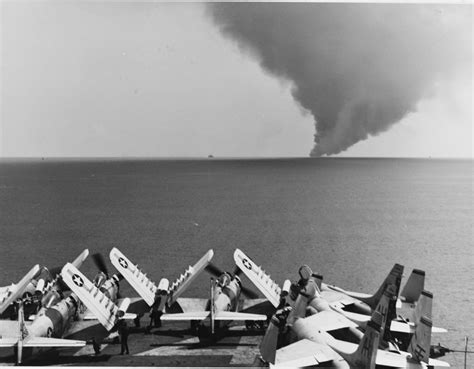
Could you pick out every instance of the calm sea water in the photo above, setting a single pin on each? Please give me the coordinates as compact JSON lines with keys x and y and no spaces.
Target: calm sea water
{"x":349,"y":219}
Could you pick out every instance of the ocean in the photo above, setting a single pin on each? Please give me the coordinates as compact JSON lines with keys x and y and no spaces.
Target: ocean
{"x":348,"y":219}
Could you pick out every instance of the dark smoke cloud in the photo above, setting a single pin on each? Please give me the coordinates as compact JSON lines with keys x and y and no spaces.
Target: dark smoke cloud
{"x":357,"y":68}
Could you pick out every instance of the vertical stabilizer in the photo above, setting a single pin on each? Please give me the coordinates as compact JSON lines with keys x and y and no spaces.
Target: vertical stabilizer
{"x":424,"y":306}
{"x":419,"y":347}
{"x":415,"y":284}
{"x":394,"y":278}
{"x":365,"y":355}
{"x":387,"y":309}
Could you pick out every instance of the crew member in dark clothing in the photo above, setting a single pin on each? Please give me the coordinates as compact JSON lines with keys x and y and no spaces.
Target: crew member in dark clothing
{"x":123,"y":332}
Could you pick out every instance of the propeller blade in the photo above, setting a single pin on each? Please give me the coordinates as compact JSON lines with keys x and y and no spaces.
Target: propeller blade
{"x":249,"y":293}
{"x":62,"y":285}
{"x":237,"y":271}
{"x":55,"y":271}
{"x":99,"y":261}
{"x":214,"y":270}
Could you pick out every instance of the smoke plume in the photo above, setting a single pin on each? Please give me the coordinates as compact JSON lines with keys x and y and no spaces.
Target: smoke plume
{"x":357,"y":68}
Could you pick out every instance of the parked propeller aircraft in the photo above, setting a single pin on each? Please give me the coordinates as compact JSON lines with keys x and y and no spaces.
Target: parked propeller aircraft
{"x":159,"y":297}
{"x":316,"y":346}
{"x":10,"y":294}
{"x":351,"y":322}
{"x":97,"y":301}
{"x":408,"y":296}
{"x":40,"y":287}
{"x":50,"y":323}
{"x":223,"y":305}
{"x":349,"y":306}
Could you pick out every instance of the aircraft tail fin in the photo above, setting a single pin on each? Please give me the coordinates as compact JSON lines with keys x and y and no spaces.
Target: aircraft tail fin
{"x":95,"y":300}
{"x":420,"y":343}
{"x":145,"y":287}
{"x":366,"y":352}
{"x":18,"y":289}
{"x":415,"y":284}
{"x":424,"y":306}
{"x":387,"y":309}
{"x":182,"y":283}
{"x":258,"y":277}
{"x":393,"y":278}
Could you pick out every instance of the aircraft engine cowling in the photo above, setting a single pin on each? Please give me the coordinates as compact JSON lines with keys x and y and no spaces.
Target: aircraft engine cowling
{"x":163,"y":286}
{"x":122,"y":309}
{"x":40,"y":286}
{"x":161,"y":293}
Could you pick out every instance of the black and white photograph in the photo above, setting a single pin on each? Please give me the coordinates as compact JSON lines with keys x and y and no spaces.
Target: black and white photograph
{"x":236,"y":184}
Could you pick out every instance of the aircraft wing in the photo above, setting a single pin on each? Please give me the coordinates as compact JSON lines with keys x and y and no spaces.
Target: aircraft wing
{"x":16,"y":291}
{"x":219,"y":315}
{"x":9,"y":341}
{"x":51,"y":342}
{"x":437,"y":363}
{"x":182,"y":283}
{"x":96,"y":301}
{"x":196,"y":315}
{"x":80,"y":259}
{"x":328,"y":321}
{"x":41,"y":342}
{"x":402,"y":327}
{"x":259,"y":278}
{"x":137,"y":279}
{"x":303,"y":353}
{"x":390,"y":359}
{"x":231,"y":315}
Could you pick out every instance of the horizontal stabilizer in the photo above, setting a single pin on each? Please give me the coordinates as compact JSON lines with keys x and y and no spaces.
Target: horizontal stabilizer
{"x":9,"y":341}
{"x":51,"y":342}
{"x":258,"y":277}
{"x":219,"y":315}
{"x":14,"y":292}
{"x":41,"y":342}
{"x":303,"y":353}
{"x":403,"y":327}
{"x":328,"y":321}
{"x":137,"y":279}
{"x":182,"y":283}
{"x":356,"y":295}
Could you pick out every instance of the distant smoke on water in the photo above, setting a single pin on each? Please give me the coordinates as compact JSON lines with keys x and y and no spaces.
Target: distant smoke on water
{"x":357,"y":68}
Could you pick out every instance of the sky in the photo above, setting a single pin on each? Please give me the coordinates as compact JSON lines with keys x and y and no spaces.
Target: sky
{"x":150,"y":79}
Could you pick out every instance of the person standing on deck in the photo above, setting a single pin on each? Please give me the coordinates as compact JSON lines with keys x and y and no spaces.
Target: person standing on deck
{"x":123,"y":332}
